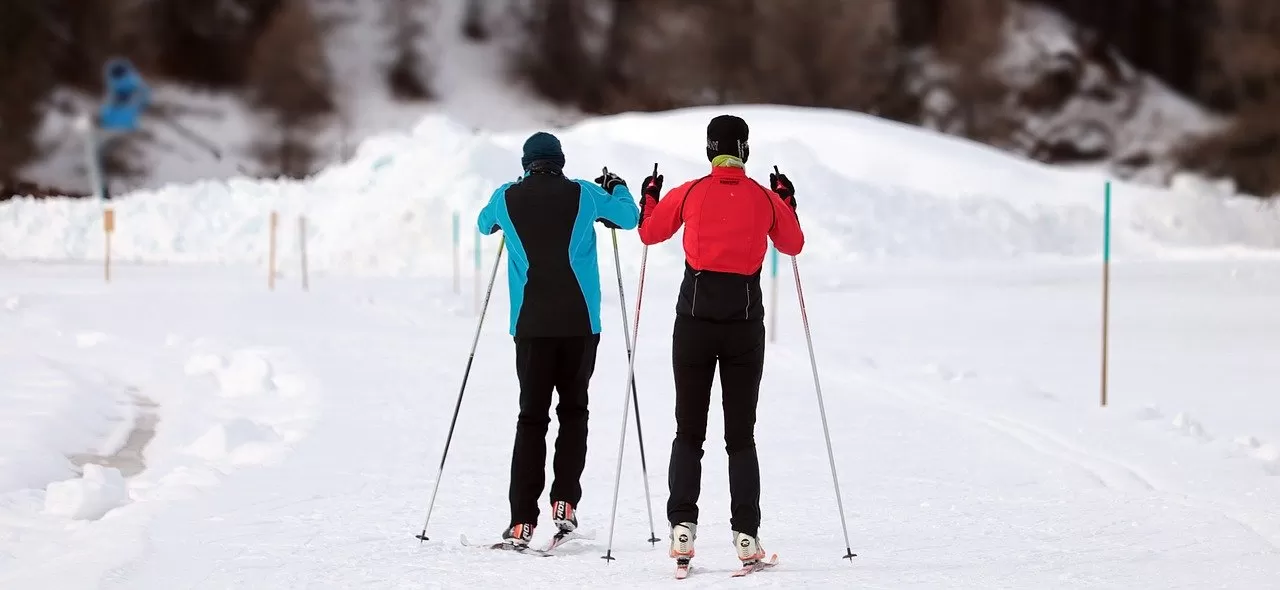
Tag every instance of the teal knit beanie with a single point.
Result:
(542, 146)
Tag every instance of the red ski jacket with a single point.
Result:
(728, 219)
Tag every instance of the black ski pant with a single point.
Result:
(542, 365)
(698, 347)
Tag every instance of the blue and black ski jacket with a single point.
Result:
(552, 271)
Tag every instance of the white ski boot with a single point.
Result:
(749, 549)
(682, 537)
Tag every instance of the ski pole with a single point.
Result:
(635, 397)
(191, 136)
(458, 406)
(826, 432)
(626, 407)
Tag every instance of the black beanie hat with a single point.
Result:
(727, 136)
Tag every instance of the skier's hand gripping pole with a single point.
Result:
(817, 385)
(626, 407)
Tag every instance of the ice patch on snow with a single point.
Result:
(98, 491)
(238, 441)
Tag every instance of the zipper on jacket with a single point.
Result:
(746, 314)
(694, 307)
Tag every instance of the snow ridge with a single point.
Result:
(869, 190)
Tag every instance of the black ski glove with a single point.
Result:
(609, 181)
(782, 185)
(650, 192)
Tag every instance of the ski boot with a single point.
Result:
(519, 535)
(564, 516)
(566, 520)
(749, 550)
(682, 537)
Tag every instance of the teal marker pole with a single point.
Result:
(1106, 285)
(773, 294)
(457, 254)
(477, 273)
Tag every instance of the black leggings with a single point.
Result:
(544, 364)
(698, 347)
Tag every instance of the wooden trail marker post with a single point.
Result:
(1106, 286)
(108, 228)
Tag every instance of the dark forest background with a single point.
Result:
(885, 57)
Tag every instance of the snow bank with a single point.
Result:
(90, 497)
(868, 189)
(50, 411)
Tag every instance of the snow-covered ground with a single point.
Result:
(955, 299)
(963, 405)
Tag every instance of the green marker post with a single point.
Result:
(773, 295)
(1106, 285)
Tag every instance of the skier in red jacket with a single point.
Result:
(728, 219)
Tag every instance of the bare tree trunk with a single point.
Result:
(473, 22)
(290, 82)
(612, 77)
(407, 73)
(555, 60)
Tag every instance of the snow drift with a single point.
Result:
(868, 189)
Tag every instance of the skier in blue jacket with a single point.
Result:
(554, 280)
(127, 96)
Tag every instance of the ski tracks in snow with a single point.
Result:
(211, 409)
(1107, 472)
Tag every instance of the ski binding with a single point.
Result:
(757, 566)
(682, 568)
(505, 546)
(563, 537)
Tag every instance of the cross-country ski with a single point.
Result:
(757, 566)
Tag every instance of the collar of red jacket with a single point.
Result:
(728, 172)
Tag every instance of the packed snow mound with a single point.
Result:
(99, 491)
(867, 188)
